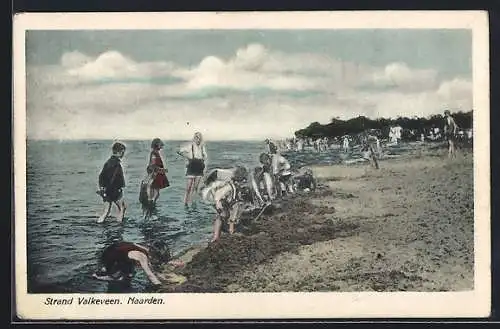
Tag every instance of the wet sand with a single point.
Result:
(408, 226)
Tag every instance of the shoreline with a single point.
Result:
(408, 226)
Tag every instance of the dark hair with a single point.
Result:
(160, 252)
(264, 158)
(156, 143)
(118, 147)
(240, 174)
(272, 148)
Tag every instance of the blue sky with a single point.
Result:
(237, 84)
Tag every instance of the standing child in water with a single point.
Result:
(157, 178)
(111, 183)
(196, 155)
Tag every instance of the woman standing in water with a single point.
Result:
(157, 178)
(196, 155)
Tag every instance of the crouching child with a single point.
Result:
(226, 190)
(304, 181)
(119, 260)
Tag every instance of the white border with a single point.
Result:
(268, 305)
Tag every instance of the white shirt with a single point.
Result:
(194, 151)
(280, 164)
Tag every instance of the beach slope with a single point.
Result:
(408, 226)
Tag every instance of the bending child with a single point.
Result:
(119, 260)
(224, 191)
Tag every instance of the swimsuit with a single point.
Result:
(115, 257)
(195, 166)
(112, 180)
(160, 179)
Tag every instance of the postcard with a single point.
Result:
(251, 165)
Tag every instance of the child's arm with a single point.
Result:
(144, 262)
(102, 176)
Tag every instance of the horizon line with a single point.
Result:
(147, 139)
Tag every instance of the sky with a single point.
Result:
(237, 84)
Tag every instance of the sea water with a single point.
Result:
(63, 238)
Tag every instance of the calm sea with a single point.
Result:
(64, 240)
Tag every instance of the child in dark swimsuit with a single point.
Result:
(112, 182)
(118, 261)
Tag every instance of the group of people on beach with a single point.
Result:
(230, 191)
(112, 181)
(119, 259)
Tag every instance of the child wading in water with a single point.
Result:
(156, 180)
(111, 183)
(196, 155)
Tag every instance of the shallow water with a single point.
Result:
(64, 240)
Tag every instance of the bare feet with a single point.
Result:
(101, 219)
(121, 214)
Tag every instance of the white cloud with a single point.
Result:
(63, 104)
(402, 76)
(74, 59)
(111, 65)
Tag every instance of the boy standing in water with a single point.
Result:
(111, 183)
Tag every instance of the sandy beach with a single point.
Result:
(408, 226)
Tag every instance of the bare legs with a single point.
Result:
(191, 189)
(107, 209)
(269, 185)
(217, 228)
(233, 216)
(120, 205)
(451, 149)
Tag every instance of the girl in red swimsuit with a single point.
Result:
(157, 173)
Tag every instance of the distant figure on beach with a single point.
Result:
(395, 134)
(300, 145)
(156, 178)
(369, 149)
(450, 131)
(281, 170)
(118, 261)
(196, 155)
(112, 182)
(225, 189)
(345, 141)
